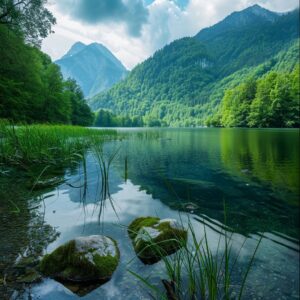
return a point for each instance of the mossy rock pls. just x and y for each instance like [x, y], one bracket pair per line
[85, 259]
[154, 238]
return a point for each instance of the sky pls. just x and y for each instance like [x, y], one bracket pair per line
[134, 29]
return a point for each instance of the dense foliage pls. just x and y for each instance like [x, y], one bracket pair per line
[28, 17]
[32, 88]
[271, 101]
[105, 118]
[183, 84]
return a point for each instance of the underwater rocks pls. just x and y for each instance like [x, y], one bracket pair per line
[82, 260]
[154, 238]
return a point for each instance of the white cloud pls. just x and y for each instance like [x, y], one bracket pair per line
[166, 22]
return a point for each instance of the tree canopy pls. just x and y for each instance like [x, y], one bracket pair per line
[270, 101]
[32, 88]
[28, 17]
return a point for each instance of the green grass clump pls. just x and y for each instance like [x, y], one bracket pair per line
[30, 146]
[195, 272]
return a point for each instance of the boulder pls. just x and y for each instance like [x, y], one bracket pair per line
[154, 238]
[82, 260]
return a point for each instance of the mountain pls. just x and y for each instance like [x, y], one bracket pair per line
[93, 66]
[183, 83]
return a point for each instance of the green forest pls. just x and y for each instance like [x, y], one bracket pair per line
[271, 101]
[105, 118]
[183, 83]
[226, 75]
[32, 89]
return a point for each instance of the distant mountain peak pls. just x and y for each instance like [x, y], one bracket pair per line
[249, 16]
[255, 7]
[260, 11]
[77, 47]
[93, 66]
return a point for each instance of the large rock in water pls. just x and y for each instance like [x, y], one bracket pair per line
[154, 238]
[85, 259]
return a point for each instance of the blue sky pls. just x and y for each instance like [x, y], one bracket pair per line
[134, 29]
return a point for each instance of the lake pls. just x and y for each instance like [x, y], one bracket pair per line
[249, 176]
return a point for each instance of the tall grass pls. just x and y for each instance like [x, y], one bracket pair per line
[104, 165]
[45, 145]
[195, 272]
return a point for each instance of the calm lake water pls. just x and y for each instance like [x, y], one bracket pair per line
[170, 173]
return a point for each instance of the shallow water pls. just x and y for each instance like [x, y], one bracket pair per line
[167, 172]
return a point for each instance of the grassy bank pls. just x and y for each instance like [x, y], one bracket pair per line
[41, 146]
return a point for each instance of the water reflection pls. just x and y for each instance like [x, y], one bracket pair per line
[133, 202]
[254, 171]
[192, 171]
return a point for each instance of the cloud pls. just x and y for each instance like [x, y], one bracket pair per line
[133, 13]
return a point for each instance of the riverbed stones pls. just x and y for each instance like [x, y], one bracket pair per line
[154, 238]
[82, 260]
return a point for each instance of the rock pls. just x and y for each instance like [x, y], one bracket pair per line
[191, 206]
[85, 259]
[153, 238]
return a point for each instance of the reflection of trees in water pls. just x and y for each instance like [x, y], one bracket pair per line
[270, 156]
[208, 166]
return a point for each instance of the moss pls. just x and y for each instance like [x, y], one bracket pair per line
[138, 223]
[167, 242]
[65, 263]
[106, 265]
[59, 259]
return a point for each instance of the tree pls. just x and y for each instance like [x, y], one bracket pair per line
[81, 113]
[27, 17]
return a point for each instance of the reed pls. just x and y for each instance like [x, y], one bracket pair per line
[46, 145]
[195, 272]
[104, 163]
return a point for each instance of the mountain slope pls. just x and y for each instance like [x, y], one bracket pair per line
[184, 82]
[93, 66]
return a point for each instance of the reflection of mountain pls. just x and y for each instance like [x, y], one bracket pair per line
[209, 166]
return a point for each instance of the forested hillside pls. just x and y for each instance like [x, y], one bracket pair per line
[271, 101]
[184, 83]
[31, 86]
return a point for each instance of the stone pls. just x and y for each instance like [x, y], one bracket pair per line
[154, 238]
[191, 206]
[82, 260]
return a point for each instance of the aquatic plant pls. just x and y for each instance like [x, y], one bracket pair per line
[104, 165]
[195, 272]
